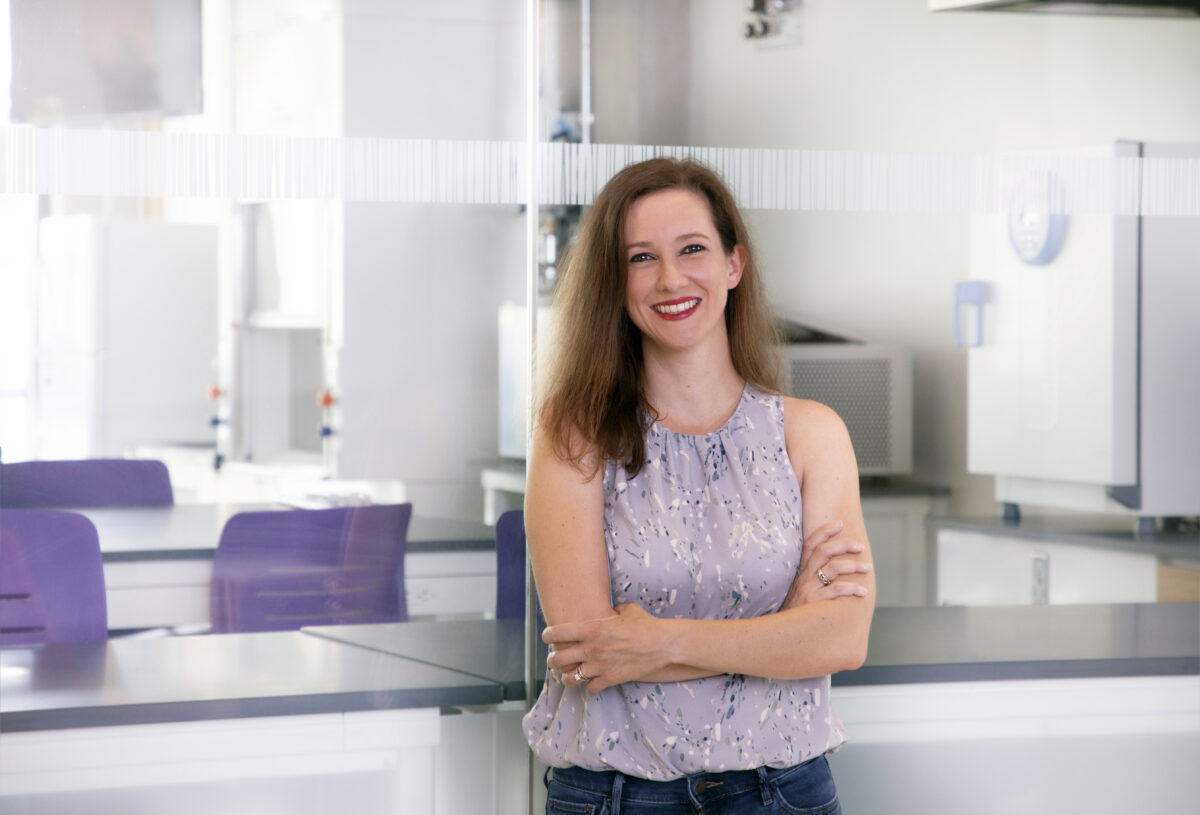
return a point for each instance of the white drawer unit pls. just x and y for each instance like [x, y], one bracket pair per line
[979, 568]
[450, 583]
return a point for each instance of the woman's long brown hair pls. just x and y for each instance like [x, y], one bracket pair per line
[592, 390]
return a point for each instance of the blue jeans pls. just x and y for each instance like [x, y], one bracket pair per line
[806, 789]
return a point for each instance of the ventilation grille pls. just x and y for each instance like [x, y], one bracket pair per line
[859, 390]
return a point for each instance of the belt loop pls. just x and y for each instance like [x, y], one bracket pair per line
[546, 778]
[764, 785]
[618, 783]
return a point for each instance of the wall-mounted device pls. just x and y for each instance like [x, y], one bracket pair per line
[1084, 368]
[870, 387]
[772, 23]
[1128, 8]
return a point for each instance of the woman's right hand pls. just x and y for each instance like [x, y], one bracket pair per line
[826, 554]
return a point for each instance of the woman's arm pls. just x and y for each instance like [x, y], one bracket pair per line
[825, 635]
[564, 530]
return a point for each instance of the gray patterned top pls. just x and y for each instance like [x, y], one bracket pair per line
[709, 529]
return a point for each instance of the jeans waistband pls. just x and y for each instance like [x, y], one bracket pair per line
[689, 787]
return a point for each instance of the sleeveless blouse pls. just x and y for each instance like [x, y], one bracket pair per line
[709, 529]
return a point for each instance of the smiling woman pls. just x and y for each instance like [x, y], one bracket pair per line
[695, 613]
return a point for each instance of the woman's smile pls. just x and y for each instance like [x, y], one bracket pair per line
[677, 309]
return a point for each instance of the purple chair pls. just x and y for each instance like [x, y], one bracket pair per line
[51, 579]
[102, 482]
[510, 565]
[277, 571]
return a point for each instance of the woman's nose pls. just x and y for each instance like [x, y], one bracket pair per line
[670, 276]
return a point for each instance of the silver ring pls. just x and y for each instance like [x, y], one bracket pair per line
[824, 578]
[579, 677]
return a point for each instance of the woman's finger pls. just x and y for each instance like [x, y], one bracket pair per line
[567, 633]
[565, 659]
[831, 549]
[565, 670]
[822, 534]
[841, 589]
[835, 567]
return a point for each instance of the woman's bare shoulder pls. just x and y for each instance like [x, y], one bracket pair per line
[806, 417]
[816, 438]
[572, 457]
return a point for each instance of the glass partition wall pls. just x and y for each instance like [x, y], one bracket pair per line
[298, 252]
[345, 203]
[270, 244]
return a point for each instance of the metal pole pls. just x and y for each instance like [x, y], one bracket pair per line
[585, 70]
[532, 136]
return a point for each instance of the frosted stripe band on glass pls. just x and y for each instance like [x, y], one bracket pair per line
[64, 161]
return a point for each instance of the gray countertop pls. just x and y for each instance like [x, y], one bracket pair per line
[907, 645]
[1101, 531]
[480, 662]
[192, 531]
[491, 649]
[960, 643]
[449, 535]
[216, 676]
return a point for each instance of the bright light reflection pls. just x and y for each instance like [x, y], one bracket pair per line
[12, 673]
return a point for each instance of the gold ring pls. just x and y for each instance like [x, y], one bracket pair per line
[579, 677]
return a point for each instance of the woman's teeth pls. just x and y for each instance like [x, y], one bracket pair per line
[676, 308]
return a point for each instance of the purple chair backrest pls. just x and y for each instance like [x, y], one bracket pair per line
[101, 482]
[277, 571]
[510, 568]
[510, 565]
[51, 579]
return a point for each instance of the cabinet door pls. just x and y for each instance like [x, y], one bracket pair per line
[450, 584]
[900, 547]
[976, 568]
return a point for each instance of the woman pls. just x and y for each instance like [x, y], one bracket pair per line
[695, 612]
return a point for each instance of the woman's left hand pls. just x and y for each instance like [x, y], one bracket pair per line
[825, 557]
[607, 651]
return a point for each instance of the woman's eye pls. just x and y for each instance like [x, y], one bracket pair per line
[692, 249]
[640, 257]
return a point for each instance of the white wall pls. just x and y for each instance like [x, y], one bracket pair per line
[423, 282]
[888, 75]
[642, 70]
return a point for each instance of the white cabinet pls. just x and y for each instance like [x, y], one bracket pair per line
[450, 583]
[901, 546]
[984, 568]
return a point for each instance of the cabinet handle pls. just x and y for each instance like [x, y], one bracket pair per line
[1041, 578]
[969, 294]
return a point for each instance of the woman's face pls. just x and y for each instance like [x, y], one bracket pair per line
[678, 276]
